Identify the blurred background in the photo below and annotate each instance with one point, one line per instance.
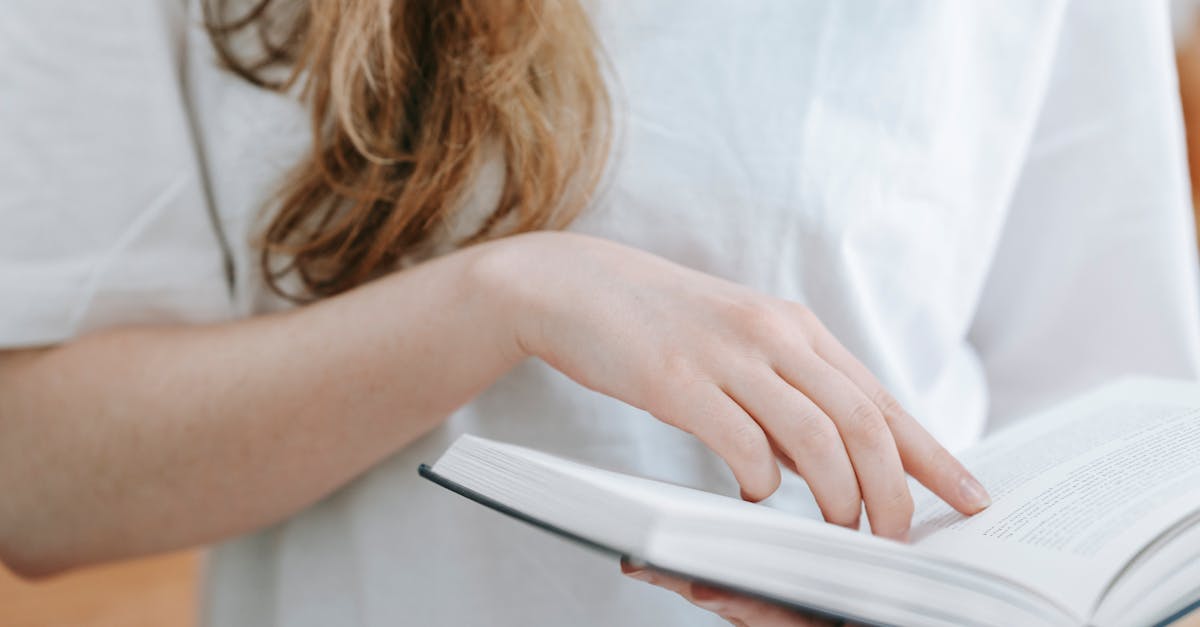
(155, 592)
(162, 590)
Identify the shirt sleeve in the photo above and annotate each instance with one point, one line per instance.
(1095, 275)
(103, 215)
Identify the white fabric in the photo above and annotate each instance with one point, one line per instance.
(1184, 15)
(985, 201)
(104, 220)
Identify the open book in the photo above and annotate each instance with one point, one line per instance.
(1093, 522)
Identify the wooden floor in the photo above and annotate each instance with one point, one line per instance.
(155, 592)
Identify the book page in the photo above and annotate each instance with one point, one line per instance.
(723, 540)
(1077, 491)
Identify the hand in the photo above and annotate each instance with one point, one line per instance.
(753, 377)
(739, 610)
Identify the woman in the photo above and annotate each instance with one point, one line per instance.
(939, 187)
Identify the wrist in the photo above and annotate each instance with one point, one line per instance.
(515, 278)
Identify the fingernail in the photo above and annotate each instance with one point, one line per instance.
(712, 599)
(702, 592)
(637, 572)
(641, 574)
(972, 493)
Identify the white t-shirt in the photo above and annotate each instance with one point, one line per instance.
(985, 201)
(1184, 16)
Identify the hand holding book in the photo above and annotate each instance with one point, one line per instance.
(1096, 521)
(752, 376)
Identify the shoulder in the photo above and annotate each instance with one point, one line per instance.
(101, 195)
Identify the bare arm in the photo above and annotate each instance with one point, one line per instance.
(145, 439)
(141, 440)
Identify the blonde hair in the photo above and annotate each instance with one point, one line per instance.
(408, 98)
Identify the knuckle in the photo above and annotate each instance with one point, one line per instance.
(747, 442)
(662, 392)
(939, 458)
(811, 323)
(887, 404)
(676, 365)
(759, 321)
(899, 504)
(864, 422)
(812, 434)
(893, 517)
(805, 315)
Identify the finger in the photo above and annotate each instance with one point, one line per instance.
(743, 610)
(660, 579)
(868, 440)
(807, 438)
(723, 426)
(733, 607)
(922, 456)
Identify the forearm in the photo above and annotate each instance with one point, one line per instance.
(146, 439)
